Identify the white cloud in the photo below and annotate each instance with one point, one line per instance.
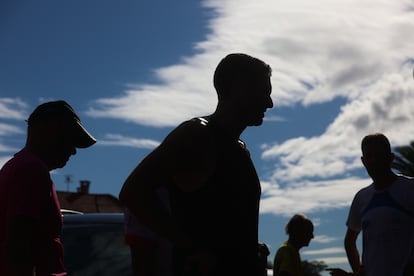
(120, 140)
(320, 50)
(324, 239)
(384, 106)
(274, 119)
(333, 260)
(12, 108)
(6, 129)
(324, 251)
(312, 195)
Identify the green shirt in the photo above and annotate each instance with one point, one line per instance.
(287, 259)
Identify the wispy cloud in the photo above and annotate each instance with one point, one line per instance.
(324, 239)
(7, 129)
(313, 195)
(13, 108)
(324, 251)
(274, 119)
(385, 107)
(333, 260)
(120, 140)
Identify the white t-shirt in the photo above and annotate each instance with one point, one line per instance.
(386, 219)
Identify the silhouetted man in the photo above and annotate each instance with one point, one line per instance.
(213, 184)
(384, 212)
(30, 216)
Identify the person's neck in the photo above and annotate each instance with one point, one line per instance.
(294, 243)
(38, 152)
(228, 122)
(30, 147)
(384, 181)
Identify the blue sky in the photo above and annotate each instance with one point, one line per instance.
(135, 69)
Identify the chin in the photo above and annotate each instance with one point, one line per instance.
(61, 164)
(257, 122)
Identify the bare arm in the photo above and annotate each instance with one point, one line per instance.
(139, 195)
(352, 250)
(178, 161)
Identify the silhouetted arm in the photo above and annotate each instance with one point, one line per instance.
(352, 250)
(139, 195)
(181, 160)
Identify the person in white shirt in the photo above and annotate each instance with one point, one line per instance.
(384, 212)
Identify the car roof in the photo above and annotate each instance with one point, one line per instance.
(69, 212)
(94, 218)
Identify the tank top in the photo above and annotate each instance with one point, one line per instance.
(222, 216)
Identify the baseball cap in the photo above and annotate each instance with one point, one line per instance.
(61, 110)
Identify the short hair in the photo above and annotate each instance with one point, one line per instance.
(297, 222)
(376, 138)
(238, 66)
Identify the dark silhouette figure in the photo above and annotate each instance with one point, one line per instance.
(30, 216)
(150, 253)
(287, 258)
(384, 212)
(213, 185)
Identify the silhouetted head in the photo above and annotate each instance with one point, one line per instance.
(55, 131)
(376, 154)
(300, 230)
(244, 82)
(236, 68)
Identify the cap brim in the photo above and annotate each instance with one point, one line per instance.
(83, 139)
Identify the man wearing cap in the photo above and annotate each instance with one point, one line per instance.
(30, 216)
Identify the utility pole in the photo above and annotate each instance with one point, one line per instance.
(68, 180)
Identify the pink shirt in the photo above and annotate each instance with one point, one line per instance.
(26, 189)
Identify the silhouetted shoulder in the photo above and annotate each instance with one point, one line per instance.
(193, 135)
(26, 163)
(194, 128)
(191, 153)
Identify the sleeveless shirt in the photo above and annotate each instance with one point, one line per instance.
(222, 216)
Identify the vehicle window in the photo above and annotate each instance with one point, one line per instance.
(96, 249)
